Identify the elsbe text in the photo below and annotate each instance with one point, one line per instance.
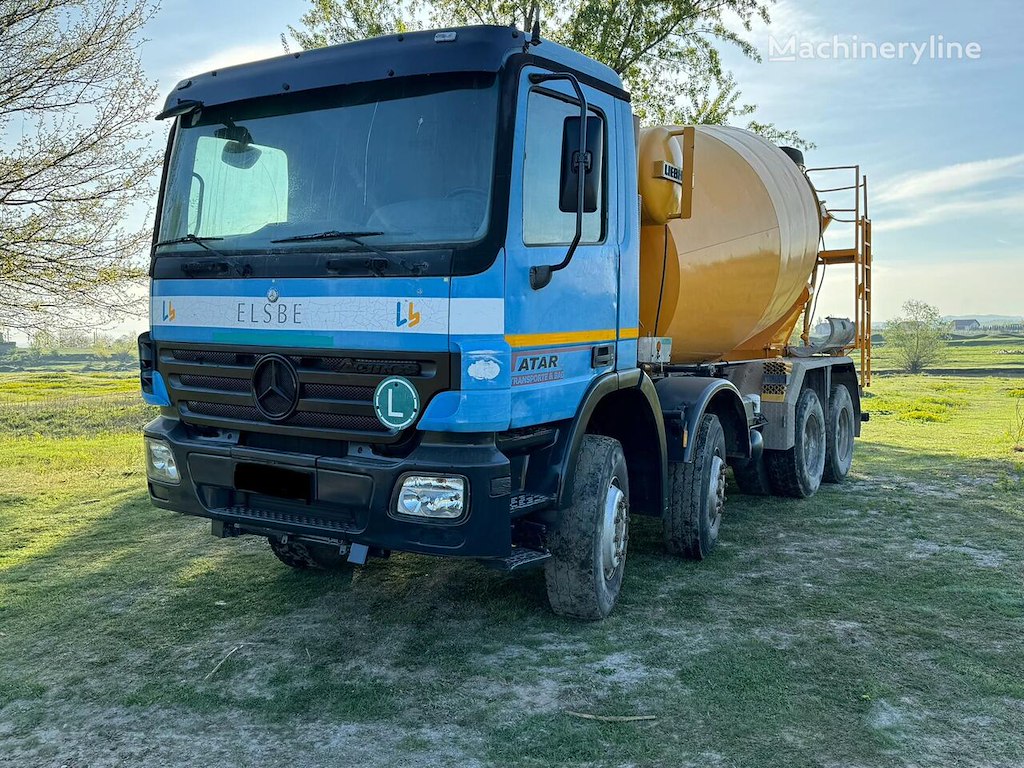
(269, 314)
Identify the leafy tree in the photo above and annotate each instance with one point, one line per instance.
(73, 158)
(43, 342)
(666, 51)
(917, 336)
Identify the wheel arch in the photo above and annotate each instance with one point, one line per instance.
(684, 402)
(623, 406)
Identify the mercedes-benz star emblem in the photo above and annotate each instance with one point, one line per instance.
(273, 295)
(275, 387)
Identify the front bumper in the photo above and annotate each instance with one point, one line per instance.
(348, 499)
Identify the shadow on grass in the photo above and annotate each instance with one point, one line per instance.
(895, 598)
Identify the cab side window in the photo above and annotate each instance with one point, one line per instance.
(543, 221)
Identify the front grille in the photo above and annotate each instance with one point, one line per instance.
(336, 392)
(216, 382)
(213, 387)
(300, 419)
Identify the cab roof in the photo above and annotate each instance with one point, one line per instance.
(459, 49)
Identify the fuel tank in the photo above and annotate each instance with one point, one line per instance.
(730, 282)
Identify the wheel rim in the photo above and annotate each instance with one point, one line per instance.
(613, 530)
(716, 492)
(814, 445)
(844, 436)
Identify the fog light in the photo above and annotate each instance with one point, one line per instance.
(160, 464)
(437, 497)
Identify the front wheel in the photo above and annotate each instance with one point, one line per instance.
(588, 544)
(697, 494)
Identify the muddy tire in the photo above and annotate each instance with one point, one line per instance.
(839, 435)
(588, 544)
(797, 472)
(303, 556)
(697, 495)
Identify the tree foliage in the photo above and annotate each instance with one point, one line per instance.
(666, 51)
(916, 336)
(73, 158)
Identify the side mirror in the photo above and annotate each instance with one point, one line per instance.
(591, 160)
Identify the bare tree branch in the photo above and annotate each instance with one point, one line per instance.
(75, 156)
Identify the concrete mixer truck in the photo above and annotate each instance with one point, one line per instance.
(439, 293)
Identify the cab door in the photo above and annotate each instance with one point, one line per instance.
(564, 334)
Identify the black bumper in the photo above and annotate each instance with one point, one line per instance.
(350, 498)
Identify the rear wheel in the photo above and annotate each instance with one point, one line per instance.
(588, 545)
(697, 494)
(302, 555)
(839, 435)
(798, 471)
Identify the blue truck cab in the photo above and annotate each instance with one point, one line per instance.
(394, 306)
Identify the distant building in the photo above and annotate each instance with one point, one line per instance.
(961, 326)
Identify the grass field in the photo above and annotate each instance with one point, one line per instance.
(880, 623)
(68, 404)
(994, 354)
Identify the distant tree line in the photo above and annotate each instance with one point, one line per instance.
(63, 341)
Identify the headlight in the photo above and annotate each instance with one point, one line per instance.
(436, 497)
(160, 464)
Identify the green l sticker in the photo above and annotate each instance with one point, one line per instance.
(396, 402)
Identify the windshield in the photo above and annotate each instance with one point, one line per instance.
(402, 163)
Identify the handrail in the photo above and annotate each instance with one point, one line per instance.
(859, 255)
(541, 275)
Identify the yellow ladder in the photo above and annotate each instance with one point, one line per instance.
(859, 256)
(863, 299)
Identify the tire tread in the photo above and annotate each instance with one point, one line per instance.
(569, 573)
(681, 526)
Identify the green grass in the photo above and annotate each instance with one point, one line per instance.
(988, 354)
(878, 624)
(35, 387)
(71, 404)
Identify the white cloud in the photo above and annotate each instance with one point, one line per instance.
(216, 59)
(927, 211)
(229, 57)
(911, 187)
(787, 18)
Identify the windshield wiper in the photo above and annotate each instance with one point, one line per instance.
(333, 234)
(191, 238)
(356, 239)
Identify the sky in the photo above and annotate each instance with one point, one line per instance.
(939, 139)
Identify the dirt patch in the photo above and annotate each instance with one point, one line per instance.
(851, 634)
(980, 557)
(112, 737)
(884, 716)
